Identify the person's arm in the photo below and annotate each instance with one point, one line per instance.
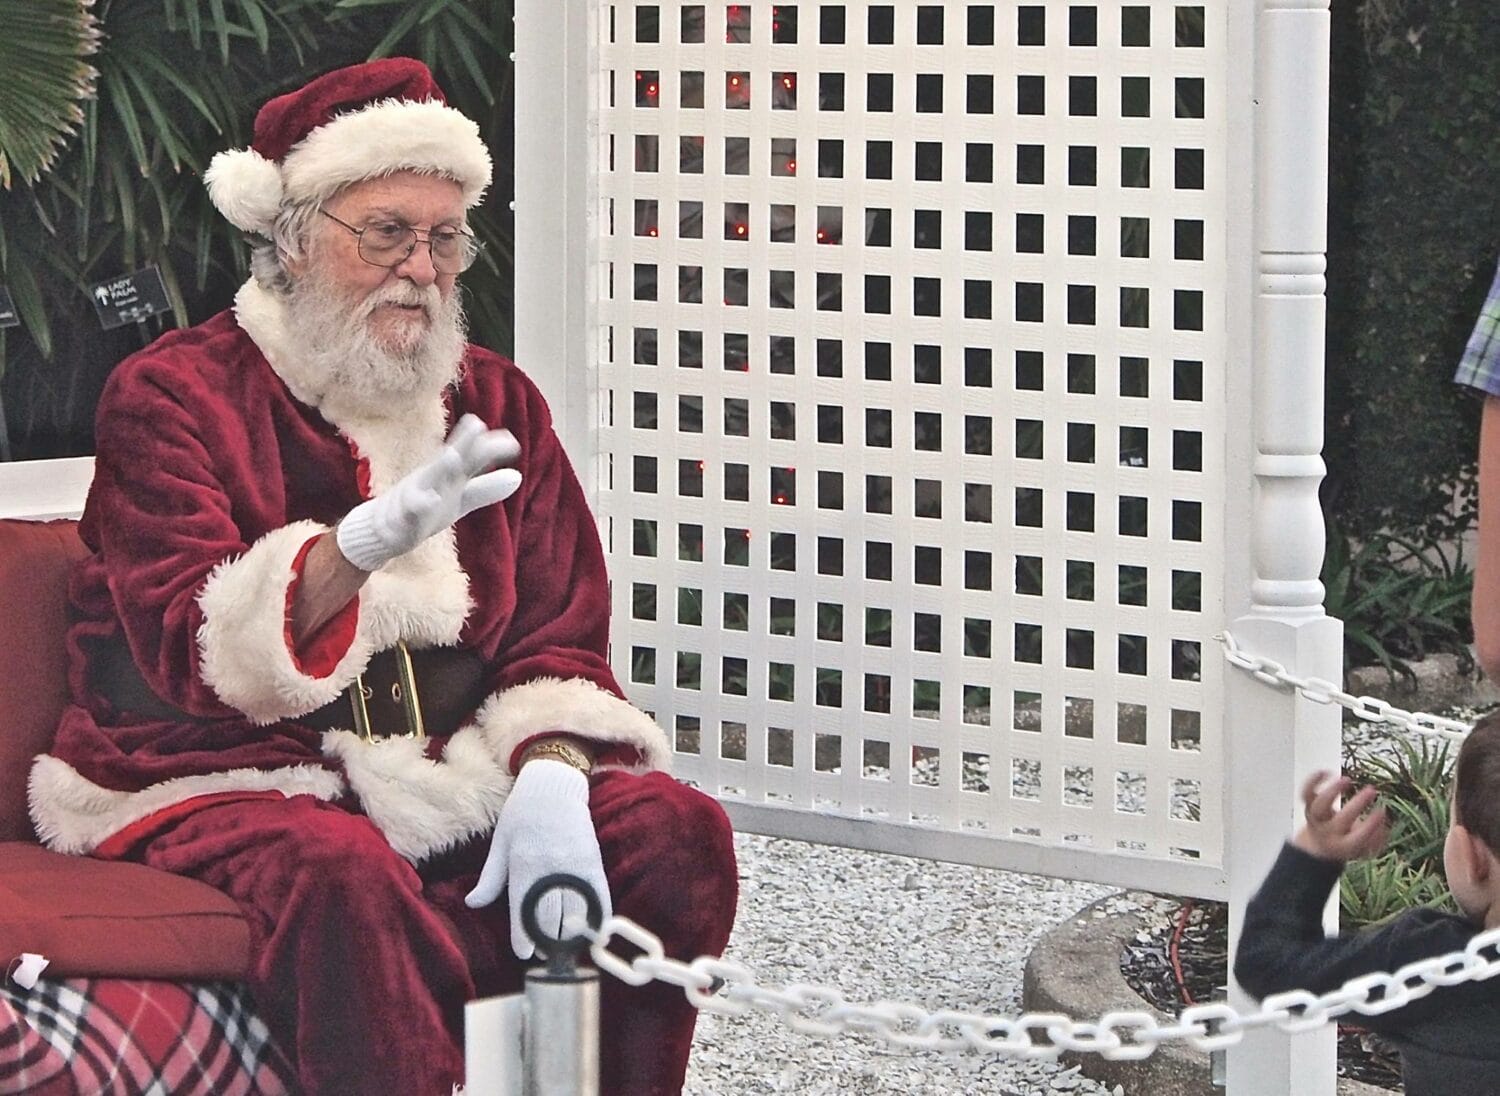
(1486, 605)
(209, 570)
(1479, 370)
(329, 583)
(1282, 945)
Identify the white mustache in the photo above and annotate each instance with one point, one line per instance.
(428, 298)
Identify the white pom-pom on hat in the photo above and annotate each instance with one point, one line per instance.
(245, 187)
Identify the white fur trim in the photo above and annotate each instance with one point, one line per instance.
(423, 807)
(245, 187)
(261, 314)
(423, 596)
(388, 136)
(574, 706)
(74, 815)
(243, 653)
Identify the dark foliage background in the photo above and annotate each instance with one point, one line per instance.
(1414, 235)
(178, 81)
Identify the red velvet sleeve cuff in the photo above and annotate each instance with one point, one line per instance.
(319, 654)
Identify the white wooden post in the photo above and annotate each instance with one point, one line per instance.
(1275, 738)
(556, 206)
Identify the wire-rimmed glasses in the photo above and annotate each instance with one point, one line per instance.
(391, 243)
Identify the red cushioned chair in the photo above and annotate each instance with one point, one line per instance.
(102, 922)
(89, 917)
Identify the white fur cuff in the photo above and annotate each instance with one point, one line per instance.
(74, 815)
(423, 807)
(571, 706)
(242, 643)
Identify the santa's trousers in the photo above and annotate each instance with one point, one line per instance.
(362, 964)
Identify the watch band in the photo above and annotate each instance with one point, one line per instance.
(557, 749)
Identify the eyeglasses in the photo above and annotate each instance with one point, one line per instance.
(391, 243)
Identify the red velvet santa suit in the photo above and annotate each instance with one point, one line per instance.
(218, 462)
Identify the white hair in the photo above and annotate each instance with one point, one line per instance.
(291, 239)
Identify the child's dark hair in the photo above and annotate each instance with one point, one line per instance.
(1476, 782)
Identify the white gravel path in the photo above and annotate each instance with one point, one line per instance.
(879, 927)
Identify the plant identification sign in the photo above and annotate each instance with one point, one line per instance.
(129, 298)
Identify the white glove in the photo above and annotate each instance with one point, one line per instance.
(544, 827)
(433, 497)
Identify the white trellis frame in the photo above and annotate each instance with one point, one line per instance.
(946, 376)
(925, 479)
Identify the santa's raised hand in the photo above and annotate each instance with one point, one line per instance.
(461, 478)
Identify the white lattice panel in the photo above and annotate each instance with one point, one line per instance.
(911, 337)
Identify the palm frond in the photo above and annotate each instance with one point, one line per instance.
(42, 54)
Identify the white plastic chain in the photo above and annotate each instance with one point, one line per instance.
(719, 985)
(726, 987)
(1369, 708)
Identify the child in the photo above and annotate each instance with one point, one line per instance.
(1450, 1039)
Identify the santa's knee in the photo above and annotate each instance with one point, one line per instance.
(671, 864)
(350, 871)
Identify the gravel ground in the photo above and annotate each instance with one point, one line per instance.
(879, 927)
(1383, 739)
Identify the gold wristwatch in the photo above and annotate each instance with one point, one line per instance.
(559, 749)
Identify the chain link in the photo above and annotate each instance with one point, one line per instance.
(1371, 709)
(1122, 1035)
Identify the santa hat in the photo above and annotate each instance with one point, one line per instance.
(353, 123)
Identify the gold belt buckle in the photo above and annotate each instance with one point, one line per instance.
(411, 706)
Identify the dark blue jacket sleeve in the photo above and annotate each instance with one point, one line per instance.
(1282, 944)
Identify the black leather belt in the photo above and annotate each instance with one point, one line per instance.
(429, 691)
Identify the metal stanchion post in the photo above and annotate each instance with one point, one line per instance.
(545, 1041)
(561, 1046)
(1217, 1064)
(561, 1049)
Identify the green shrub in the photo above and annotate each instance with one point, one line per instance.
(1400, 599)
(1413, 785)
(44, 54)
(1372, 891)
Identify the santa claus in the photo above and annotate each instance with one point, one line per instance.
(340, 647)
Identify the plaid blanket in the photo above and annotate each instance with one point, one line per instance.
(121, 1037)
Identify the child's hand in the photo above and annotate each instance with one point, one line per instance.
(1339, 833)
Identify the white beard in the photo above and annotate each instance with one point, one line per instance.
(350, 370)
